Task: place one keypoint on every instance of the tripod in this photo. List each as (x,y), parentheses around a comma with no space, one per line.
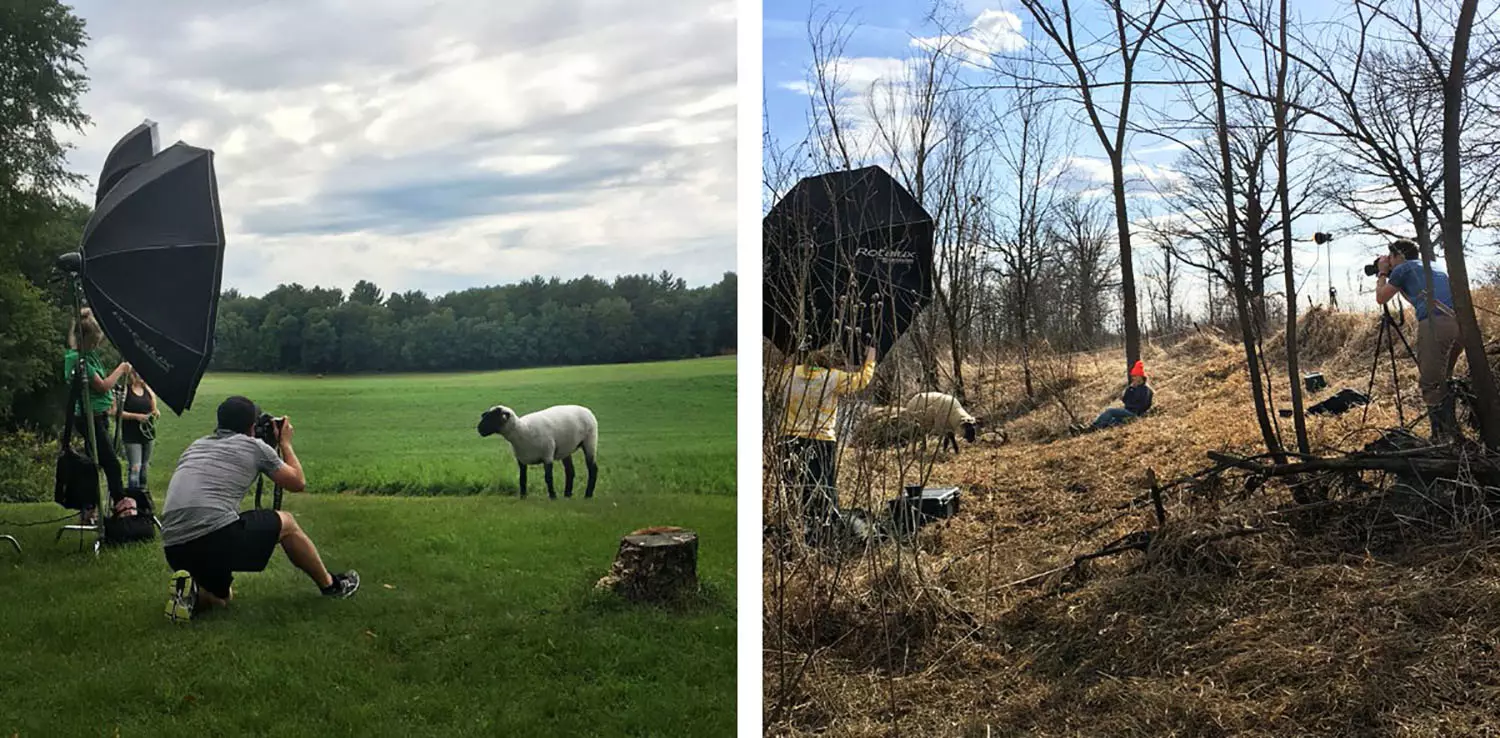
(1390,330)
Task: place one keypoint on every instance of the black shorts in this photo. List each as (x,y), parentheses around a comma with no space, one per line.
(244,545)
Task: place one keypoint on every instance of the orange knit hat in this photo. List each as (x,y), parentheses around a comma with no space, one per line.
(1139,370)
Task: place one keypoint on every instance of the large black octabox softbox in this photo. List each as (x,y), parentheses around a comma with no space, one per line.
(152,258)
(847,255)
(132,150)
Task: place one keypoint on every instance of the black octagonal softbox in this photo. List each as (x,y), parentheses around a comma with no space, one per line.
(132,150)
(848,260)
(151,261)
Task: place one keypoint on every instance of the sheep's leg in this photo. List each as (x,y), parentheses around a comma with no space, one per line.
(523,479)
(547,471)
(950,440)
(567,462)
(593,475)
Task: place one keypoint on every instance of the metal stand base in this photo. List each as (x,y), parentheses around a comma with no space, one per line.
(98,528)
(13,542)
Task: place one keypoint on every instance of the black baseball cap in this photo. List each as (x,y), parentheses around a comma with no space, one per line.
(237,414)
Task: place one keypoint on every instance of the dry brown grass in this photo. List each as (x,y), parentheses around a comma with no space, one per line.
(1347,621)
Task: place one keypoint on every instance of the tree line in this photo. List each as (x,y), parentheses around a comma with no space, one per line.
(538,322)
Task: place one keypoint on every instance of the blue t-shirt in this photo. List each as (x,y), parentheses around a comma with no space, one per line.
(1412,281)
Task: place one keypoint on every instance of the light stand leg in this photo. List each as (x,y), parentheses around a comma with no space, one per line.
(90,440)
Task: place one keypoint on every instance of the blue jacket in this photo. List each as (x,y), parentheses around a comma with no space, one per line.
(1137,399)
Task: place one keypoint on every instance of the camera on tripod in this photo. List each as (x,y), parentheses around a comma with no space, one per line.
(268,429)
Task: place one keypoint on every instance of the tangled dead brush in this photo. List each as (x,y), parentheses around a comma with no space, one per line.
(1359,616)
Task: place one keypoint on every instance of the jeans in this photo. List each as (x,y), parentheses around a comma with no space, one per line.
(1112,417)
(813,470)
(138,455)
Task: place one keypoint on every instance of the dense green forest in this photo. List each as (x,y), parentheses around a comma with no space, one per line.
(534,323)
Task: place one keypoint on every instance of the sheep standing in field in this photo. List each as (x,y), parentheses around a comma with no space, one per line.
(939,412)
(546,436)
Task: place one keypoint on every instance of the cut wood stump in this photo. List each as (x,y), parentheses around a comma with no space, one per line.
(655,565)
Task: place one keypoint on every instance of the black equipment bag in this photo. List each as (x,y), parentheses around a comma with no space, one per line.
(77,482)
(129,528)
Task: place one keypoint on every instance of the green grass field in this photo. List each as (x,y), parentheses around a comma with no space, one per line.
(476,615)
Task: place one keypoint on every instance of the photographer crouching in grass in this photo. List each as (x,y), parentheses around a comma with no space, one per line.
(205,535)
(1438,344)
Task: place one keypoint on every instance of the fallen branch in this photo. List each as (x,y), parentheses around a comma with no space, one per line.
(1363,462)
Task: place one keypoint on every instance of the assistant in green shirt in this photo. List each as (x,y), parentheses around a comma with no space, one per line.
(86,335)
(100,402)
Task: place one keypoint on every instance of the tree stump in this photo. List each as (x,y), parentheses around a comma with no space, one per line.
(654,565)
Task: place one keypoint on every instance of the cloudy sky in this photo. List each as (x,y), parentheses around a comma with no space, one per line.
(885,37)
(436,145)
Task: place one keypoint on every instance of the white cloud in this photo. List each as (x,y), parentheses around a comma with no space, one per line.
(436,146)
(992,33)
(1140,179)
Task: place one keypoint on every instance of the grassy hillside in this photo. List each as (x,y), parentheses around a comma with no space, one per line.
(1358,618)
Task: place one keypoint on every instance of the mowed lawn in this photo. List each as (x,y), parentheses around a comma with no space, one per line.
(477,614)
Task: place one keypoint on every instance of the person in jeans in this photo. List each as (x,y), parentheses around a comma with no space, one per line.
(1438,338)
(1137,401)
(136,413)
(85,337)
(811,390)
(206,537)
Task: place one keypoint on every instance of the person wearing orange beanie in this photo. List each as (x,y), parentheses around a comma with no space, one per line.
(1137,401)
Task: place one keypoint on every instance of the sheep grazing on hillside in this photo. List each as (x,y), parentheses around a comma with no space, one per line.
(884,425)
(939,412)
(546,436)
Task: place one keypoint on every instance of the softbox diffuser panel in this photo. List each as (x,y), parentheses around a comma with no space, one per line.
(153,256)
(132,150)
(846,254)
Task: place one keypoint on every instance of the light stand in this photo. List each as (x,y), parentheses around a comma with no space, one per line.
(72,264)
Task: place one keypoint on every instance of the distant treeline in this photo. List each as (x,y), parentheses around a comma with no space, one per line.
(534,323)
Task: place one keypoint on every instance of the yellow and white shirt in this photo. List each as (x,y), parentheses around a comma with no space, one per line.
(812,398)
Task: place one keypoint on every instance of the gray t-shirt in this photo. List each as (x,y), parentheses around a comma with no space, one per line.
(211,479)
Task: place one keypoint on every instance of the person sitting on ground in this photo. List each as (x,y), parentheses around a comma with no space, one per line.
(1137,401)
(205,536)
(812,389)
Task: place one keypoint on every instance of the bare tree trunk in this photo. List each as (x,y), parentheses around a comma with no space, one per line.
(1283,174)
(1236,255)
(1127,268)
(1453,247)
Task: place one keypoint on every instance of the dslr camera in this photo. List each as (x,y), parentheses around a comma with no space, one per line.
(1373,268)
(268,429)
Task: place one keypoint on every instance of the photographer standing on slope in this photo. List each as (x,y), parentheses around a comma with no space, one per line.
(1438,345)
(205,535)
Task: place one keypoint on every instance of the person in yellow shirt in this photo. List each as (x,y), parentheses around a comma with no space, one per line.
(811,391)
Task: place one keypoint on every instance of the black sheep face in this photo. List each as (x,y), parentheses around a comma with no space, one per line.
(971,430)
(495,419)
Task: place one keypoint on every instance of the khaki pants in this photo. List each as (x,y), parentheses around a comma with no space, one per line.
(1438,349)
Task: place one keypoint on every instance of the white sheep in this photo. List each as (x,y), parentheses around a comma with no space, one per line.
(546,436)
(939,412)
